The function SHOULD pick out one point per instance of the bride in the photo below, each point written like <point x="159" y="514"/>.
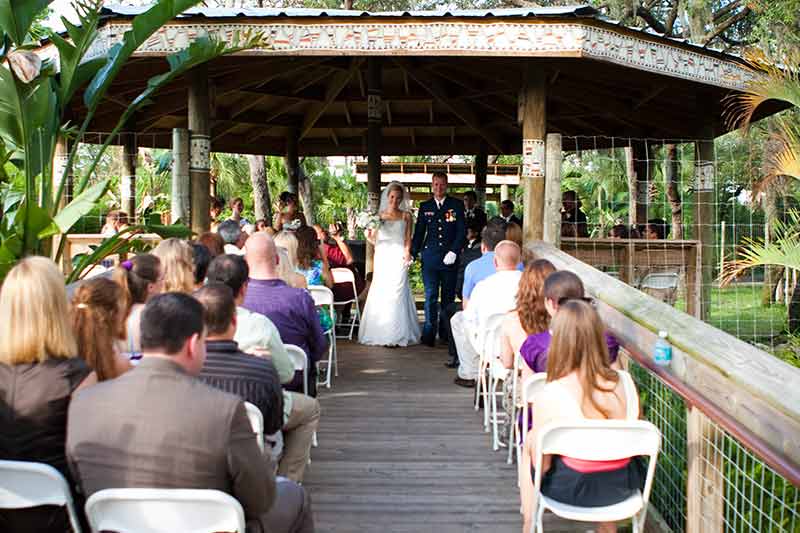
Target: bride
<point x="390" y="316"/>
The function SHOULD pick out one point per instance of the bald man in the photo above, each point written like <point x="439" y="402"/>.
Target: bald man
<point x="495" y="295"/>
<point x="291" y="310"/>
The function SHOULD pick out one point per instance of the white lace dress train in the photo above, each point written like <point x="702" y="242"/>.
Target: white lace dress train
<point x="390" y="316"/>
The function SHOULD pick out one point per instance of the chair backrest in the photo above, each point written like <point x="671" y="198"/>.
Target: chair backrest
<point x="491" y="331"/>
<point x="532" y="386"/>
<point x="27" y="484"/>
<point x="600" y="440"/>
<point x="164" y="511"/>
<point x="322" y="295"/>
<point x="257" y="421"/>
<point x="300" y="361"/>
<point x="345" y="275"/>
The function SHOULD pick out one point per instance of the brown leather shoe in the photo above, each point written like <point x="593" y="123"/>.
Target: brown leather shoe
<point x="466" y="383"/>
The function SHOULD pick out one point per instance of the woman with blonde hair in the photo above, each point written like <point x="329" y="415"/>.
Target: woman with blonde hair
<point x="39" y="370"/>
<point x="287" y="241"/>
<point x="140" y="278"/>
<point x="177" y="265"/>
<point x="98" y="312"/>
<point x="530" y="316"/>
<point x="581" y="385"/>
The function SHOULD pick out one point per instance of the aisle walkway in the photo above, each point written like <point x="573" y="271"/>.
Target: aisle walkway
<point x="402" y="450"/>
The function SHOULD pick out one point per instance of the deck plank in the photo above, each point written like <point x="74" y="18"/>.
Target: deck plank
<point x="401" y="450"/>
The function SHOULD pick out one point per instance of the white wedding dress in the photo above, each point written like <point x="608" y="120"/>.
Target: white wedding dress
<point x="390" y="316"/>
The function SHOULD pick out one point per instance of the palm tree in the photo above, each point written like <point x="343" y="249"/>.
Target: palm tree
<point x="781" y="83"/>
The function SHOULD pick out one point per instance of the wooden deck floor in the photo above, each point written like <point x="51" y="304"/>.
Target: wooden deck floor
<point x="402" y="450"/>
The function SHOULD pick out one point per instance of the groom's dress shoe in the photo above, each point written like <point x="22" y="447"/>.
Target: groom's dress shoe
<point x="451" y="364"/>
<point x="429" y="342"/>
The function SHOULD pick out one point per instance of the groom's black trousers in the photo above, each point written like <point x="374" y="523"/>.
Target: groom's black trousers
<point x="436" y="280"/>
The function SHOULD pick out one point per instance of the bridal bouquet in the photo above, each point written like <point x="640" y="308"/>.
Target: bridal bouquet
<point x="366" y="220"/>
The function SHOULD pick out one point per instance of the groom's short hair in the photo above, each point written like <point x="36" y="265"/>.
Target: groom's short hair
<point x="493" y="233"/>
<point x="440" y="175"/>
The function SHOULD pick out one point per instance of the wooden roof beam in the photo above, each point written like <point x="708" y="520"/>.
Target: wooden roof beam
<point x="337" y="83"/>
<point x="462" y="111"/>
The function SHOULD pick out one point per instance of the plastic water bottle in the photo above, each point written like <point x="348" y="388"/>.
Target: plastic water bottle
<point x="662" y="354"/>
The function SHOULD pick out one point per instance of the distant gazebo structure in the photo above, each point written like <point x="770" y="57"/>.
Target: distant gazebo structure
<point x="471" y="82"/>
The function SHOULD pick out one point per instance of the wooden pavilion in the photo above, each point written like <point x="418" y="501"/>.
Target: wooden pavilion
<point x="473" y="82"/>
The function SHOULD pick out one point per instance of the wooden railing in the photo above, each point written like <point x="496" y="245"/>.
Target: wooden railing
<point x="77" y="243"/>
<point x="729" y="412"/>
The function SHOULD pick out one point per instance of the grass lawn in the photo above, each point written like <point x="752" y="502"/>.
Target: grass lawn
<point x="737" y="310"/>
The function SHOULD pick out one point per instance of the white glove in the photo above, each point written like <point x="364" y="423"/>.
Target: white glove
<point x="449" y="258"/>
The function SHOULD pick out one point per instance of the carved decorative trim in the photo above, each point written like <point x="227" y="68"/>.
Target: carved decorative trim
<point x="533" y="158"/>
<point x="500" y="38"/>
<point x="374" y="110"/>
<point x="704" y="176"/>
<point x="200" y="152"/>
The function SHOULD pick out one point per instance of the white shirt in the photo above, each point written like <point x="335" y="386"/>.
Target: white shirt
<point x="493" y="295"/>
<point x="233" y="249"/>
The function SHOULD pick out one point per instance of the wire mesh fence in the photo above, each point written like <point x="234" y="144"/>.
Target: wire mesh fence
<point x="751" y="496"/>
<point x="660" y="190"/>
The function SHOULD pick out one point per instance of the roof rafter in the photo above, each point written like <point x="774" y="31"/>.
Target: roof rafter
<point x="337" y="83"/>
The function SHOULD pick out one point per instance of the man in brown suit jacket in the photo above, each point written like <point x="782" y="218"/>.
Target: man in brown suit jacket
<point x="158" y="426"/>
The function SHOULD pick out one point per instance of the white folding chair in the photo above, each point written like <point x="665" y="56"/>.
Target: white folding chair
<point x="164" y="511"/>
<point x="597" y="440"/>
<point x="490" y="372"/>
<point x="323" y="297"/>
<point x="345" y="275"/>
<point x="26" y="484"/>
<point x="257" y="421"/>
<point x="300" y="361"/>
<point x="530" y="388"/>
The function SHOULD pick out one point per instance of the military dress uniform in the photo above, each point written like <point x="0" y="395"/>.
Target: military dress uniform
<point x="439" y="230"/>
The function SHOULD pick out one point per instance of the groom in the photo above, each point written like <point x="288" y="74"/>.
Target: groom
<point x="439" y="235"/>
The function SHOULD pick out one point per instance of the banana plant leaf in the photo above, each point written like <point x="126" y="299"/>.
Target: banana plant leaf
<point x="73" y="71"/>
<point x="80" y="206"/>
<point x="122" y="242"/>
<point x="17" y="16"/>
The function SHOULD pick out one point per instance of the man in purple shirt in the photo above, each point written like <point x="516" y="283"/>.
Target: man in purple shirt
<point x="291" y="310"/>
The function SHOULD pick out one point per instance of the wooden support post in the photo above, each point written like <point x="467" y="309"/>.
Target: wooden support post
<point x="503" y="192"/>
<point x="60" y="158"/>
<point x="481" y="165"/>
<point x="705" y="174"/>
<point x="292" y="162"/>
<point x="374" y="120"/>
<point x="180" y="204"/>
<point x="532" y="107"/>
<point x="705" y="484"/>
<point x="127" y="182"/>
<point x="199" y="148"/>
<point x="552" y="195"/>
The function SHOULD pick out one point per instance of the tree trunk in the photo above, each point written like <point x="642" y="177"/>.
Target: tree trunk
<point x="306" y="197"/>
<point x="632" y="189"/>
<point x="770" y="218"/>
<point x="672" y="179"/>
<point x="258" y="177"/>
<point x="794" y="310"/>
<point x="351" y="223"/>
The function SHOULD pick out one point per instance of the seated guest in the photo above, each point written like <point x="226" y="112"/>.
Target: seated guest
<point x="39" y="370"/>
<point x="507" y="213"/>
<point x="339" y="255"/>
<point x="262" y="225"/>
<point x="514" y="233"/>
<point x="656" y="228"/>
<point x="202" y="258"/>
<point x="470" y="252"/>
<point x="215" y="210"/>
<point x="477" y="270"/>
<point x="233" y="371"/>
<point x="620" y="231"/>
<point x="311" y="260"/>
<point x="558" y="287"/>
<point x="140" y="279"/>
<point x="286" y="241"/>
<point x="529" y="316"/>
<point x="473" y="212"/>
<point x="110" y="227"/>
<point x="573" y="220"/>
<point x="288" y="216"/>
<point x="177" y="265"/>
<point x="495" y="294"/>
<point x="233" y="237"/>
<point x="170" y="430"/>
<point x="212" y="241"/>
<point x="96" y="312"/>
<point x="581" y="385"/>
<point x="291" y="310"/>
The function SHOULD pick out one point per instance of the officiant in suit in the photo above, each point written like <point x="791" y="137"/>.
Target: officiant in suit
<point x="438" y="238"/>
